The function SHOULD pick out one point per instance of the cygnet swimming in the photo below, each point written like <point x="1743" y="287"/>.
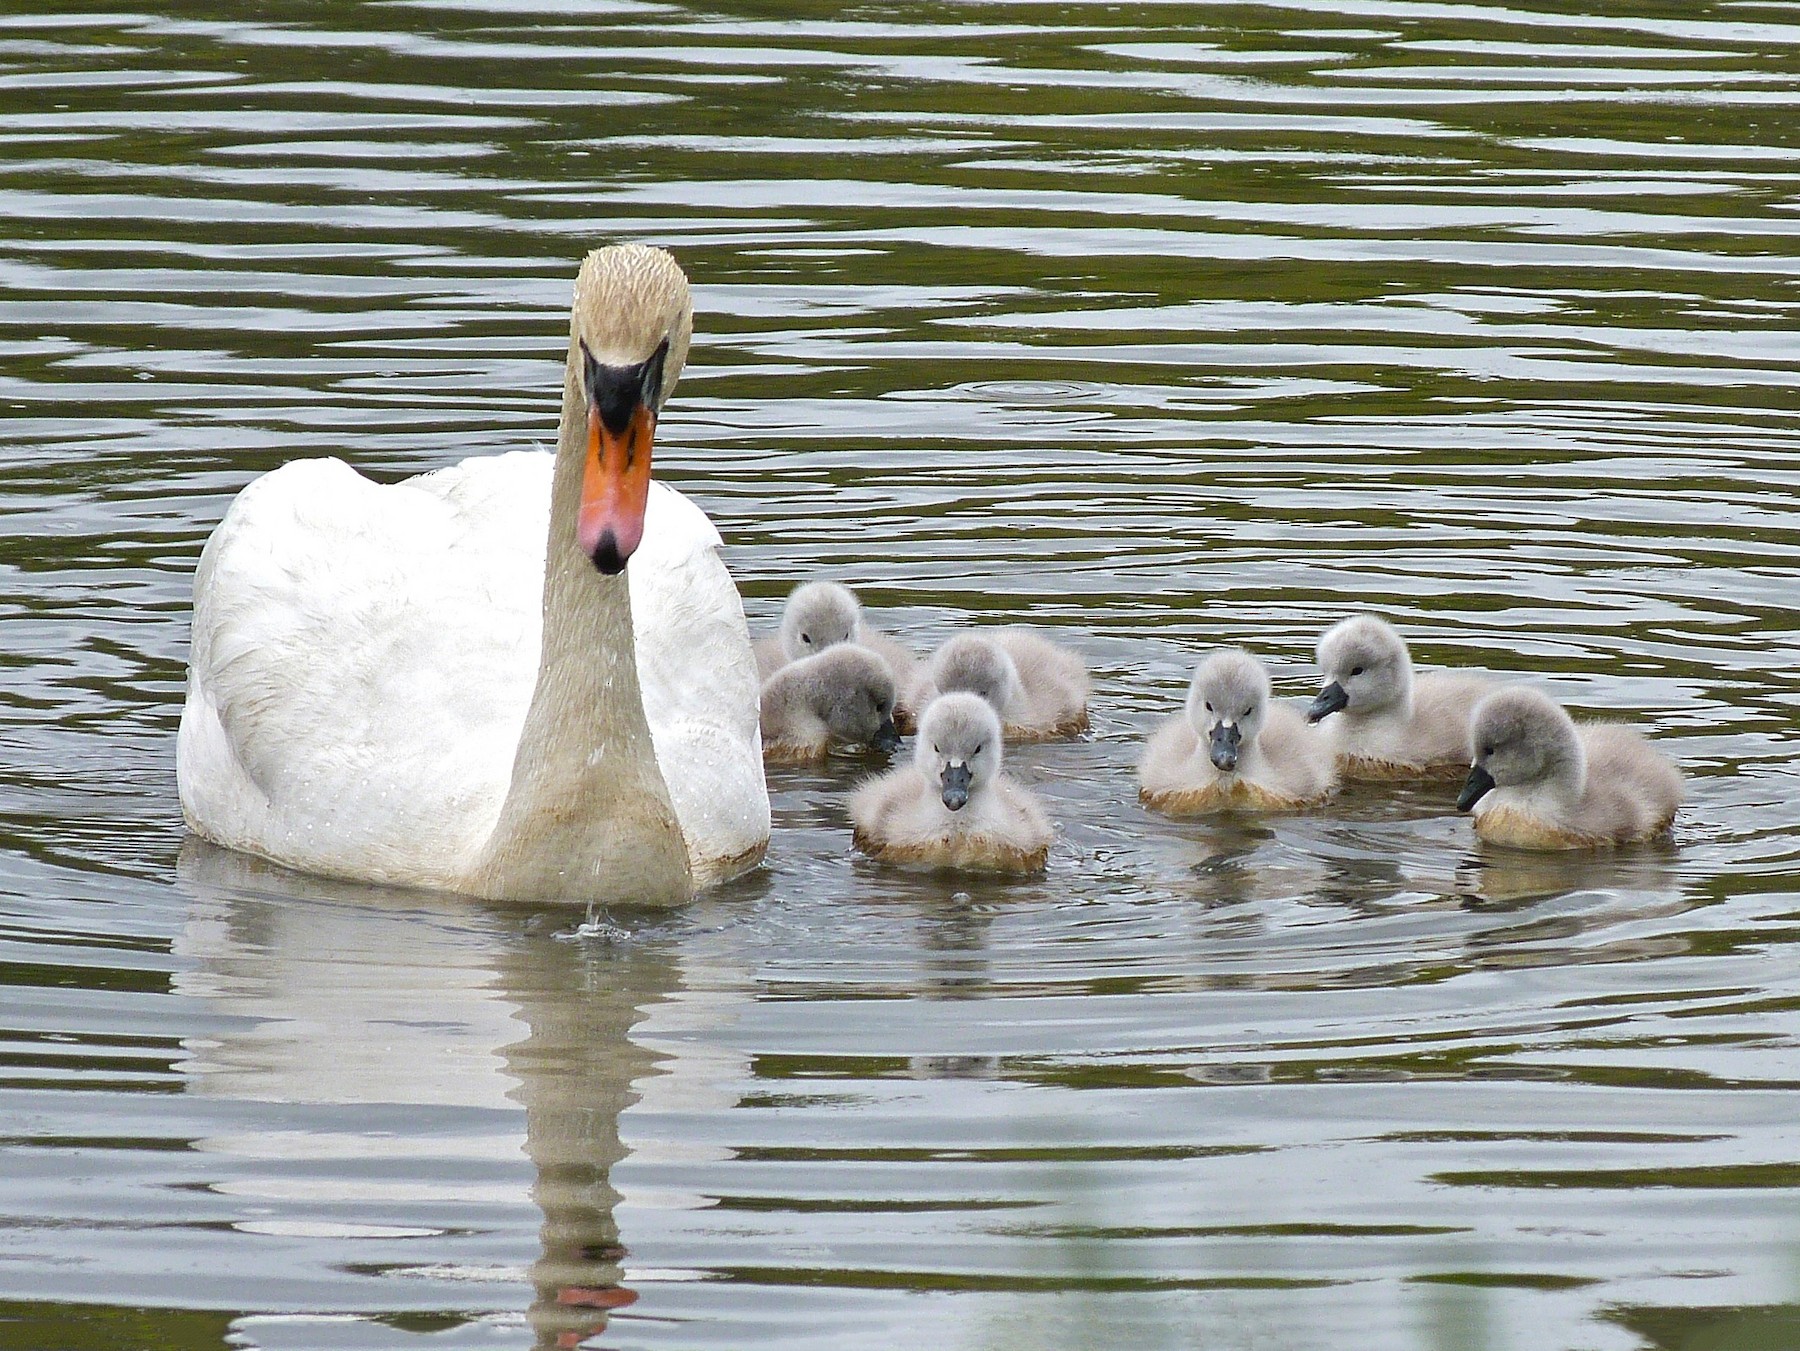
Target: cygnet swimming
<point x="1232" y="749"/>
<point x="819" y="615"/>
<point x="1385" y="723"/>
<point x="952" y="807"/>
<point x="1039" y="688"/>
<point x="843" y="696"/>
<point x="1541" y="782"/>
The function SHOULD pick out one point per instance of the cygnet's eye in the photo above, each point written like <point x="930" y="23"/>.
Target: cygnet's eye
<point x="936" y="749"/>
<point x="1486" y="751"/>
<point x="1356" y="670"/>
<point x="1209" y="707"/>
<point x="806" y="638"/>
<point x="1245" y="713"/>
<point x="977" y="751"/>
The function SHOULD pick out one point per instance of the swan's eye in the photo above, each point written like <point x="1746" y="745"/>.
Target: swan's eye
<point x="806" y="638"/>
<point x="977" y="751"/>
<point x="936" y="749"/>
<point x="1209" y="708"/>
<point x="1357" y="670"/>
<point x="1486" y="751"/>
<point x="1245" y="713"/>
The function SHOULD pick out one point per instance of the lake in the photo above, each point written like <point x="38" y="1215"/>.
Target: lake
<point x="1158" y="326"/>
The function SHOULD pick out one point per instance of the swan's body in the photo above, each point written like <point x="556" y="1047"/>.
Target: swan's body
<point x="1231" y="749"/>
<point x="444" y="682"/>
<point x="952" y="807"/>
<point x="1387" y="723"/>
<point x="1539" y="781"/>
<point x="819" y="615"/>
<point x="1038" y="688"/>
<point x="842" y="696"/>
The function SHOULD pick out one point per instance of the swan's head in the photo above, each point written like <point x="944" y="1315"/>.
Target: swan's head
<point x="976" y="665"/>
<point x="852" y="691"/>
<point x="629" y="332"/>
<point x="958" y="746"/>
<point x="1366" y="668"/>
<point x="1227" y="702"/>
<point x="1521" y="739"/>
<point x="818" y="615"/>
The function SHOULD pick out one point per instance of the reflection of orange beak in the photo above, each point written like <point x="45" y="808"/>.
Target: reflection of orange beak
<point x="615" y="487"/>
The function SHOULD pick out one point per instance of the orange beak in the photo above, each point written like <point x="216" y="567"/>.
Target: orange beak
<point x="615" y="488"/>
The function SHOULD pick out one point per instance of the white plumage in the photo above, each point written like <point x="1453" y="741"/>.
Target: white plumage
<point x="364" y="656"/>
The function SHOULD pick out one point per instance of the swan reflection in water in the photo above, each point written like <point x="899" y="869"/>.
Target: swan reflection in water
<point x="1496" y="877"/>
<point x="409" y="1029"/>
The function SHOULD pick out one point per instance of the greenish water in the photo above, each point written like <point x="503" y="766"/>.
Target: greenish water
<point x="1161" y="326"/>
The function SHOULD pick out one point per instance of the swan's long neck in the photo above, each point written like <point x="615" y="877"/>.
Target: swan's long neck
<point x="1565" y="773"/>
<point x="587" y="816"/>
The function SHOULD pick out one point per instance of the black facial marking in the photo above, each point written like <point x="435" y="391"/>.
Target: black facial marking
<point x="651" y="383"/>
<point x="616" y="391"/>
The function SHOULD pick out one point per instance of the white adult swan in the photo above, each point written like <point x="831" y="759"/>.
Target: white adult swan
<point x="388" y="684"/>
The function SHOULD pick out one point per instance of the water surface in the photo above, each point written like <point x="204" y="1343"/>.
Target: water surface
<point x="1160" y="327"/>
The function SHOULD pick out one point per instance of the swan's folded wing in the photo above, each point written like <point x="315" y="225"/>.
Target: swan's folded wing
<point x="1168" y="762"/>
<point x="1633" y="790"/>
<point x="699" y="681"/>
<point x="362" y="659"/>
<point x="1443" y="706"/>
<point x="1301" y="764"/>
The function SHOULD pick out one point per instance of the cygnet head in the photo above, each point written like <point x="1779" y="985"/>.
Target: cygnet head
<point x="818" y="615"/>
<point x="1227" y="702"/>
<point x="630" y="325"/>
<point x="958" y="746"/>
<point x="1521" y="738"/>
<point x="975" y="665"/>
<point x="852" y="691"/>
<point x="1366" y="668"/>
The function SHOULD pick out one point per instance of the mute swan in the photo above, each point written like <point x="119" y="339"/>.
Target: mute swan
<point x="1390" y="725"/>
<point x="819" y="615"/>
<point x="1232" y="749"/>
<point x="844" y="694"/>
<point x="1540" y="782"/>
<point x="952" y="807"/>
<point x="1039" y="689"/>
<point x="390" y="684"/>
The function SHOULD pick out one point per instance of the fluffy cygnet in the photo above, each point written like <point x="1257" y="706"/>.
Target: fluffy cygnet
<point x="1039" y="689"/>
<point x="1387" y="724"/>
<point x="819" y="615"/>
<point x="1232" y="749"/>
<point x="1541" y="782"/>
<point x="843" y="696"/>
<point x="952" y="807"/>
